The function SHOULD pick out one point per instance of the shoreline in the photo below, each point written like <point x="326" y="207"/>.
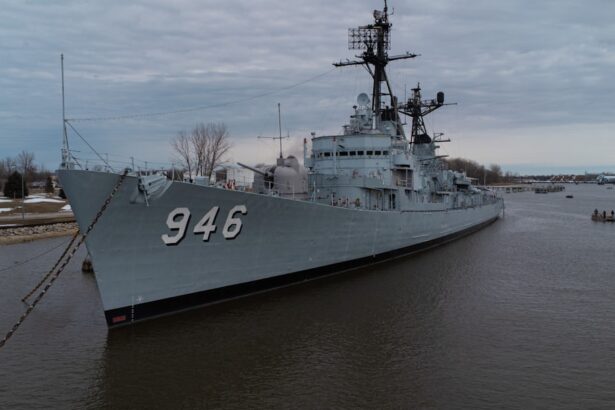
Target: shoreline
<point x="10" y="236"/>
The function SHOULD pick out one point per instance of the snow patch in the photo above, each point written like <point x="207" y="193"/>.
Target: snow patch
<point x="66" y="208"/>
<point x="38" y="199"/>
<point x="5" y="209"/>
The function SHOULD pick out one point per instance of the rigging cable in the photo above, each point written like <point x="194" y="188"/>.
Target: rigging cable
<point x="88" y="144"/>
<point x="200" y="108"/>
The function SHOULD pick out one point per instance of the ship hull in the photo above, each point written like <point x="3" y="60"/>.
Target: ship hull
<point x="280" y="242"/>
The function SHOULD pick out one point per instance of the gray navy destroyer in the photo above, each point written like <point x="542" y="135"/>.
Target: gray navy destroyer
<point x="369" y="194"/>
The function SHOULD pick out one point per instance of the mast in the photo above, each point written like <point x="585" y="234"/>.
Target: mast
<point x="280" y="160"/>
<point x="280" y="129"/>
<point x="374" y="39"/>
<point x="65" y="149"/>
<point x="417" y="108"/>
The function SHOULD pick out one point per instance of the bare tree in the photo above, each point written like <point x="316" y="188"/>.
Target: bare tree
<point x="495" y="173"/>
<point x="3" y="171"/>
<point x="25" y="162"/>
<point x="183" y="149"/>
<point x="42" y="171"/>
<point x="9" y="164"/>
<point x="200" y="141"/>
<point x="473" y="169"/>
<point x="202" y="150"/>
<point x="175" y="174"/>
<point x="217" y="147"/>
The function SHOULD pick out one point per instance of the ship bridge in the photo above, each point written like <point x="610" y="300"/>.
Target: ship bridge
<point x="368" y="166"/>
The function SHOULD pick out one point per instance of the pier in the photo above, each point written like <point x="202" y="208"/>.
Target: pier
<point x="537" y="188"/>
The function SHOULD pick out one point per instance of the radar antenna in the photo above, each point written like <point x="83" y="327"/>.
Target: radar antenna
<point x="417" y="108"/>
<point x="375" y="40"/>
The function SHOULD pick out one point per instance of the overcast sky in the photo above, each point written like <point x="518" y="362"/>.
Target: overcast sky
<point x="533" y="79"/>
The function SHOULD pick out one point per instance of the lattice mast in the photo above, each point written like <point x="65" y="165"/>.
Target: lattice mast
<point x="417" y="108"/>
<point x="375" y="39"/>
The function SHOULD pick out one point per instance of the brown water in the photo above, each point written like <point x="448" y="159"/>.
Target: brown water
<point x="519" y="315"/>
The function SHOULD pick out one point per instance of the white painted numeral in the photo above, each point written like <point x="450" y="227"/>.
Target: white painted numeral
<point x="206" y="225"/>
<point x="179" y="218"/>
<point x="233" y="222"/>
<point x="179" y="225"/>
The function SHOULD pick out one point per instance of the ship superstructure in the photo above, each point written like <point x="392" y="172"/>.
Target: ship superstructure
<point x="365" y="195"/>
<point x="372" y="165"/>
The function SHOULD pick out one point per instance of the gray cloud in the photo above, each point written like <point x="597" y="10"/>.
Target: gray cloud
<point x="520" y="70"/>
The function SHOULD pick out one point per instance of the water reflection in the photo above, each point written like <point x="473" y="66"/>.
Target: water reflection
<point x="517" y="315"/>
<point x="319" y="343"/>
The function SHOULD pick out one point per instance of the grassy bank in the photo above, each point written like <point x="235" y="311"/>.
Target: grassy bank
<point x="33" y="204"/>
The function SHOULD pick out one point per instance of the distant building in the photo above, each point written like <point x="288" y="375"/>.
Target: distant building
<point x="229" y="172"/>
<point x="37" y="184"/>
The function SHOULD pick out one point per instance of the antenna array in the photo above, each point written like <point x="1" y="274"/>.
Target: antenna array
<point x="366" y="38"/>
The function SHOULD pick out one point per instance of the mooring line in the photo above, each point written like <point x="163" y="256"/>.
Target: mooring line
<point x="32" y="258"/>
<point x="39" y="297"/>
<point x="52" y="269"/>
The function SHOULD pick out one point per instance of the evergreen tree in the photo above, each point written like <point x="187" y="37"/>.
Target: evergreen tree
<point x="49" y="185"/>
<point x="12" y="188"/>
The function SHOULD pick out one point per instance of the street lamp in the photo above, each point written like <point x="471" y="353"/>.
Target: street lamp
<point x="23" y="196"/>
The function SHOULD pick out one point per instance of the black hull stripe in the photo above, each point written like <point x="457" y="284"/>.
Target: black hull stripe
<point x="130" y="314"/>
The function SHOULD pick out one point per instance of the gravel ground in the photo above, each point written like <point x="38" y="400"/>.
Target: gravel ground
<point x="30" y="233"/>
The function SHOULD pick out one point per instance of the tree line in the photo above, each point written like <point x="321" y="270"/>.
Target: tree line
<point x="12" y="169"/>
<point x="485" y="175"/>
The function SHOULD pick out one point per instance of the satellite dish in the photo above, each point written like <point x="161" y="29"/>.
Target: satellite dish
<point x="363" y="100"/>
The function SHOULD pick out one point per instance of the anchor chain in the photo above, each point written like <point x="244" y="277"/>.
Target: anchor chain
<point x="52" y="269"/>
<point x="55" y="275"/>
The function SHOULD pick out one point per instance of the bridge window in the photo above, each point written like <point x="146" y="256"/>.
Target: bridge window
<point x="377" y="152"/>
<point x="370" y="152"/>
<point x="343" y="154"/>
<point x="385" y="152"/>
<point x="352" y="153"/>
<point x="327" y="154"/>
<point x="360" y="153"/>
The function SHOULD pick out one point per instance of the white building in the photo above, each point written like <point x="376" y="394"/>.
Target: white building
<point x="228" y="172"/>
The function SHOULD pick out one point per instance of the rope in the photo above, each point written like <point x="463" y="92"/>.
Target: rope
<point x="40" y="296"/>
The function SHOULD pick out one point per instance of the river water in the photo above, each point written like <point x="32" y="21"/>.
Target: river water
<point x="519" y="315"/>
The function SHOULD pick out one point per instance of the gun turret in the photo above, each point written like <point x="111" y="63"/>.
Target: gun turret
<point x="258" y="171"/>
